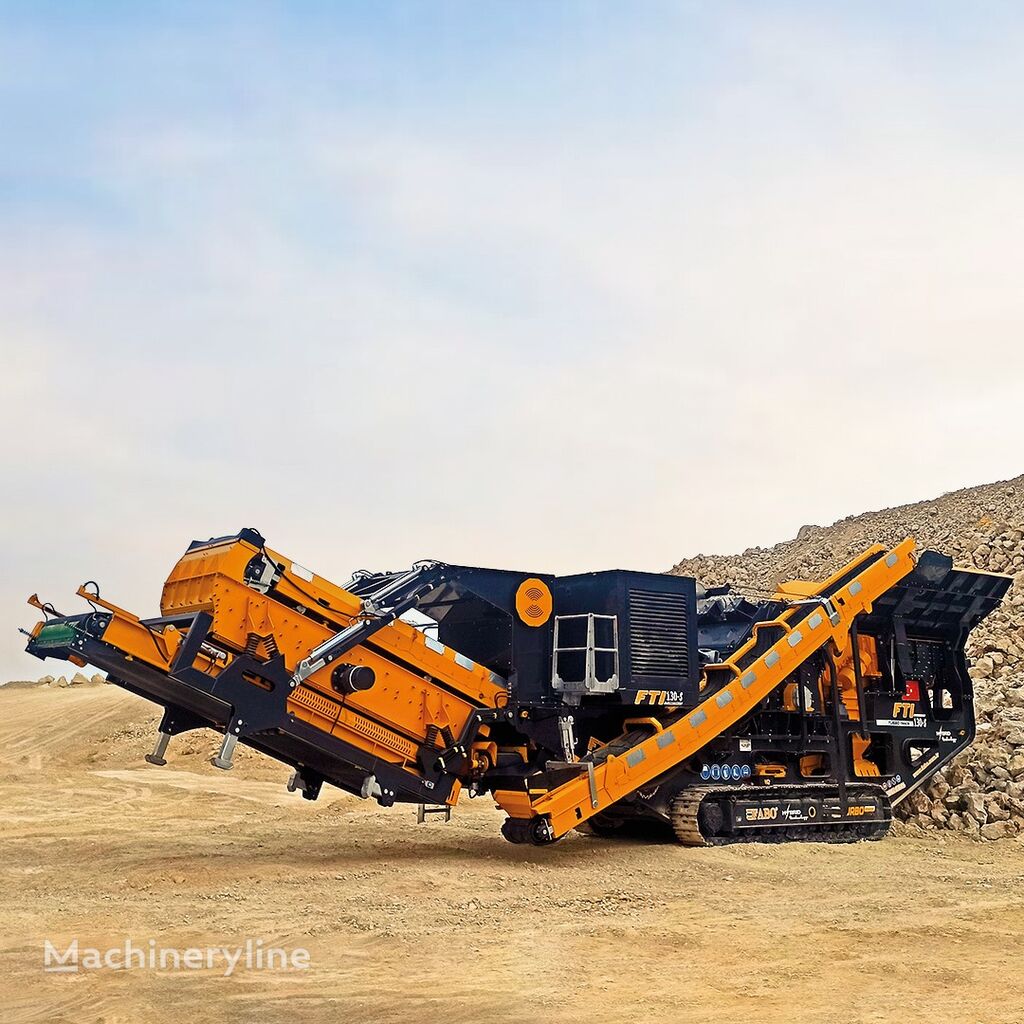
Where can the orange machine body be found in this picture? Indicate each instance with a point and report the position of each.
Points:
(422, 689)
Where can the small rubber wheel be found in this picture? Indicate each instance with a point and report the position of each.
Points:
(514, 830)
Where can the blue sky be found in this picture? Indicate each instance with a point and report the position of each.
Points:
(551, 285)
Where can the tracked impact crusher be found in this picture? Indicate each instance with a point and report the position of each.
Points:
(593, 701)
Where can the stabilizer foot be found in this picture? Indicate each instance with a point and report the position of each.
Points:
(308, 787)
(157, 757)
(225, 755)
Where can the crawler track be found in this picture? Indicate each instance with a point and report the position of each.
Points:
(697, 821)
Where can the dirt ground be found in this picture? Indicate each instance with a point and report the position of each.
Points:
(447, 922)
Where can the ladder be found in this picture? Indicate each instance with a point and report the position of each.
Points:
(754, 670)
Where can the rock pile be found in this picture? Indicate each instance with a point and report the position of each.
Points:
(982, 792)
(78, 679)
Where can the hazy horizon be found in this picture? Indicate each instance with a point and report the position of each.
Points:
(554, 286)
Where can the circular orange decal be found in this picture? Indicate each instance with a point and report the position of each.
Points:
(533, 602)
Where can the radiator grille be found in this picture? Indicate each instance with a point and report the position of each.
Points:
(658, 634)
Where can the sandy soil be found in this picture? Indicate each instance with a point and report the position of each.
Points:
(447, 922)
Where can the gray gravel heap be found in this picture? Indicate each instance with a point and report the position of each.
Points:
(981, 792)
